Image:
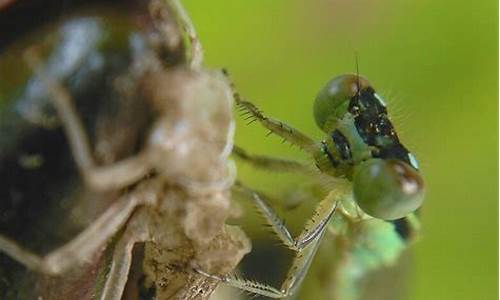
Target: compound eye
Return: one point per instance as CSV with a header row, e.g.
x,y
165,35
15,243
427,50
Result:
x,y
333,100
348,85
387,189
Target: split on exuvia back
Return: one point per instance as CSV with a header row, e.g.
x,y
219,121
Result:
x,y
362,145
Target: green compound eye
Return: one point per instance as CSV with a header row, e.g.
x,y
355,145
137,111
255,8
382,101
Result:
x,y
387,189
333,100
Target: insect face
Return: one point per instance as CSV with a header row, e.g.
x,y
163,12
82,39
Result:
x,y
366,149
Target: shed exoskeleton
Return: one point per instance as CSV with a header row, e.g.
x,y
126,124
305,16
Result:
x,y
165,196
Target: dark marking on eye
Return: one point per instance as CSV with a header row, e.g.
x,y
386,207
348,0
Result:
x,y
342,145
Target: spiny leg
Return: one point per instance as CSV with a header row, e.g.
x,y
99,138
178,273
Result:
x,y
290,285
136,232
84,245
305,245
114,176
271,163
300,266
283,165
313,227
245,285
277,127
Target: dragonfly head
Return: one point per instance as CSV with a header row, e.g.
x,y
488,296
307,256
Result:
x,y
387,189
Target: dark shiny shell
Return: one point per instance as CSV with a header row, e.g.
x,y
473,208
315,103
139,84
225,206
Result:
x,y
42,201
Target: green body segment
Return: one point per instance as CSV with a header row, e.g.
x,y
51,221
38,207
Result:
x,y
338,157
372,244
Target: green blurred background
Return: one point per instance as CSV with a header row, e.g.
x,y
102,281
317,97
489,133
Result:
x,y
437,64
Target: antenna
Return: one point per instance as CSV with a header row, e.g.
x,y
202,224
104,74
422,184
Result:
x,y
357,73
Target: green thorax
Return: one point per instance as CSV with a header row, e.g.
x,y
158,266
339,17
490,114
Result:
x,y
342,149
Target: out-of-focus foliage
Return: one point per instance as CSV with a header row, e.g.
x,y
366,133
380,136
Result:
x,y
436,64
